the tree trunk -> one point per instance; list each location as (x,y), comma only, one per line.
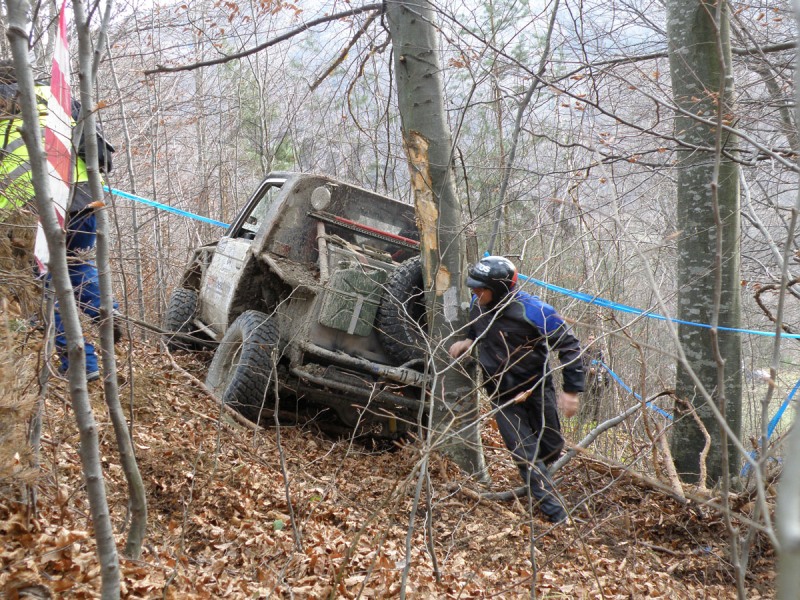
(428,144)
(787,511)
(708,247)
(18,29)
(137,500)
(787,516)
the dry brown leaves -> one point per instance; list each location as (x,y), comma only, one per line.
(220,522)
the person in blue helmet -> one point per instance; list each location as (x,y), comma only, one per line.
(516,333)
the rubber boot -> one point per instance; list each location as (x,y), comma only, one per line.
(538,482)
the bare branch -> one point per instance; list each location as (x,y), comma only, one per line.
(343,54)
(268,43)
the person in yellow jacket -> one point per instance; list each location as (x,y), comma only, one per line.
(16,190)
(18,220)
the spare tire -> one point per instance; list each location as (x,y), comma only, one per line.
(402,320)
(240,372)
(181,311)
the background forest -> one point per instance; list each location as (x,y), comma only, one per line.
(565,152)
(589,199)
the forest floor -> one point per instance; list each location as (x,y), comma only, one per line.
(290,513)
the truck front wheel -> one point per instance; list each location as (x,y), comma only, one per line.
(242,369)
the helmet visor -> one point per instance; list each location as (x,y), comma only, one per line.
(475,283)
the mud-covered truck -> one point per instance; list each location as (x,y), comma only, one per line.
(313,299)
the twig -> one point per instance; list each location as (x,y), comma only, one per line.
(604,426)
(657,548)
(298,542)
(184,337)
(618,471)
(203,387)
(481,499)
(707,445)
(343,54)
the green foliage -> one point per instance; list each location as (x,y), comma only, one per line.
(284,157)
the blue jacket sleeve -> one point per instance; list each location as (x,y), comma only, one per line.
(559,337)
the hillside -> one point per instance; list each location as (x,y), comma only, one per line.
(224,520)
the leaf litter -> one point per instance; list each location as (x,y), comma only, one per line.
(220,523)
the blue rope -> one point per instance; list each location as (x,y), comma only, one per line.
(588,298)
(773,424)
(596,300)
(625,387)
(166,207)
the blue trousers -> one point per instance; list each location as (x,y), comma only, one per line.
(81,238)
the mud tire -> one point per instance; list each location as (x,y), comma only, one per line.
(402,320)
(181,311)
(240,372)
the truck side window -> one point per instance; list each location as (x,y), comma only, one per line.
(253,222)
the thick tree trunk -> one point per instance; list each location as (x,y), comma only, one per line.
(18,29)
(708,247)
(428,144)
(137,500)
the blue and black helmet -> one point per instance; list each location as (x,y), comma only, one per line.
(495,273)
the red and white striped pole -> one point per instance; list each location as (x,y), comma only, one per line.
(57,135)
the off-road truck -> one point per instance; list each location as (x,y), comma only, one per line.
(313,298)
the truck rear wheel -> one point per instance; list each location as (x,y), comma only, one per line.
(181,311)
(241,371)
(402,319)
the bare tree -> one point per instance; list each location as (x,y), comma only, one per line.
(18,30)
(787,514)
(429,148)
(709,281)
(87,72)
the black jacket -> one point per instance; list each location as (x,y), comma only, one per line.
(515,339)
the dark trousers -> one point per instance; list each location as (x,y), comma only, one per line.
(531,430)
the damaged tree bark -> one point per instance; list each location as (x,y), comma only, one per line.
(429,148)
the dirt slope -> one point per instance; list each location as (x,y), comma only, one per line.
(292,514)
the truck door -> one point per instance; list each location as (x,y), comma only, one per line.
(231,257)
(221,280)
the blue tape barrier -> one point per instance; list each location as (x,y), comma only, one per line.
(165,207)
(588,298)
(596,300)
(773,424)
(625,387)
